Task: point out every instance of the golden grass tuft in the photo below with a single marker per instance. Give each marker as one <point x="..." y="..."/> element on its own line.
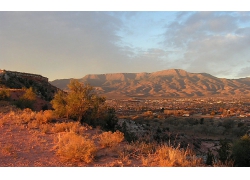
<point x="166" y="156"/>
<point x="75" y="127"/>
<point x="76" y="148"/>
<point x="109" y="139"/>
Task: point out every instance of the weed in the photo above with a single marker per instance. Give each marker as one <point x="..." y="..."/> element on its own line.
<point x="166" y="156"/>
<point x="75" y="147"/>
<point x="69" y="127"/>
<point x="109" y="139"/>
<point x="45" y="128"/>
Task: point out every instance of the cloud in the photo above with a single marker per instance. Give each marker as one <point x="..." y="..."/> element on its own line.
<point x="73" y="44"/>
<point x="211" y="42"/>
<point x="244" y="72"/>
<point x="62" y="43"/>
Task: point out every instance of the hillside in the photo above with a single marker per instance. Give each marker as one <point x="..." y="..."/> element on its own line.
<point x="162" y="84"/>
<point x="16" y="81"/>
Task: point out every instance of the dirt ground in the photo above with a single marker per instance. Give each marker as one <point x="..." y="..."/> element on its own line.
<point x="24" y="147"/>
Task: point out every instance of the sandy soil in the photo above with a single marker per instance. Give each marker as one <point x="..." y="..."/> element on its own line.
<point x="23" y="147"/>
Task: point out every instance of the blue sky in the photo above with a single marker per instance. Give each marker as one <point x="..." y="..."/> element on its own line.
<point x="75" y="43"/>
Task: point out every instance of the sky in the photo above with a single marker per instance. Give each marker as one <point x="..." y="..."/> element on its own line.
<point x="71" y="44"/>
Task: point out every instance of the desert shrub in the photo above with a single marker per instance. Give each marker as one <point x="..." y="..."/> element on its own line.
<point x="50" y="115"/>
<point x="201" y="120"/>
<point x="224" y="151"/>
<point x="109" y="121"/>
<point x="167" y="156"/>
<point x="128" y="135"/>
<point x="240" y="152"/>
<point x="192" y="121"/>
<point x="210" y="159"/>
<point x="240" y="131"/>
<point x="41" y="118"/>
<point x="75" y="127"/>
<point x="4" y="94"/>
<point x="26" y="116"/>
<point x="109" y="139"/>
<point x="33" y="124"/>
<point x="139" y="148"/>
<point x="240" y="124"/>
<point x="228" y="123"/>
<point x="76" y="148"/>
<point x="27" y="100"/>
<point x="45" y="128"/>
<point x="218" y="130"/>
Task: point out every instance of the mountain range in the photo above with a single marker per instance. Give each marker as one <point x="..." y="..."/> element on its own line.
<point x="162" y="84"/>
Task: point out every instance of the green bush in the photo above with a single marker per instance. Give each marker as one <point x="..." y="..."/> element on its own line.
<point x="241" y="152"/>
<point x="4" y="94"/>
<point x="27" y="100"/>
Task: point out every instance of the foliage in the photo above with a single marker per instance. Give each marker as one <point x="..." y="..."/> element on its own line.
<point x="83" y="104"/>
<point x="202" y="121"/>
<point x="167" y="156"/>
<point x="129" y="136"/>
<point x="69" y="127"/>
<point x="240" y="152"/>
<point x="27" y="100"/>
<point x="74" y="147"/>
<point x="109" y="139"/>
<point x="224" y="151"/>
<point x="59" y="103"/>
<point x="110" y="120"/>
<point x="210" y="158"/>
<point x="4" y="94"/>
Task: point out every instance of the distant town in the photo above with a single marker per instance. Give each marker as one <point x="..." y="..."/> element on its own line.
<point x="195" y="107"/>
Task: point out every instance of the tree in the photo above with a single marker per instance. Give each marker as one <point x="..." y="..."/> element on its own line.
<point x="241" y="152"/>
<point x="59" y="103"/>
<point x="81" y="103"/>
<point x="81" y="99"/>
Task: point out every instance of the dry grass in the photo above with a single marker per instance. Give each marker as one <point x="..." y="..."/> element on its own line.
<point x="45" y="128"/>
<point x="229" y="163"/>
<point x="109" y="139"/>
<point x="75" y="147"/>
<point x="166" y="156"/>
<point x="75" y="127"/>
<point x="3" y="120"/>
<point x="71" y="146"/>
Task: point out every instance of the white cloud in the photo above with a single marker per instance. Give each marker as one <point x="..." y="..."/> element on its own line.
<point x="210" y="42"/>
<point x="244" y="72"/>
<point x="72" y="44"/>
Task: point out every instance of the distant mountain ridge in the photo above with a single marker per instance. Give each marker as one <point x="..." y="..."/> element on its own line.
<point x="162" y="84"/>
